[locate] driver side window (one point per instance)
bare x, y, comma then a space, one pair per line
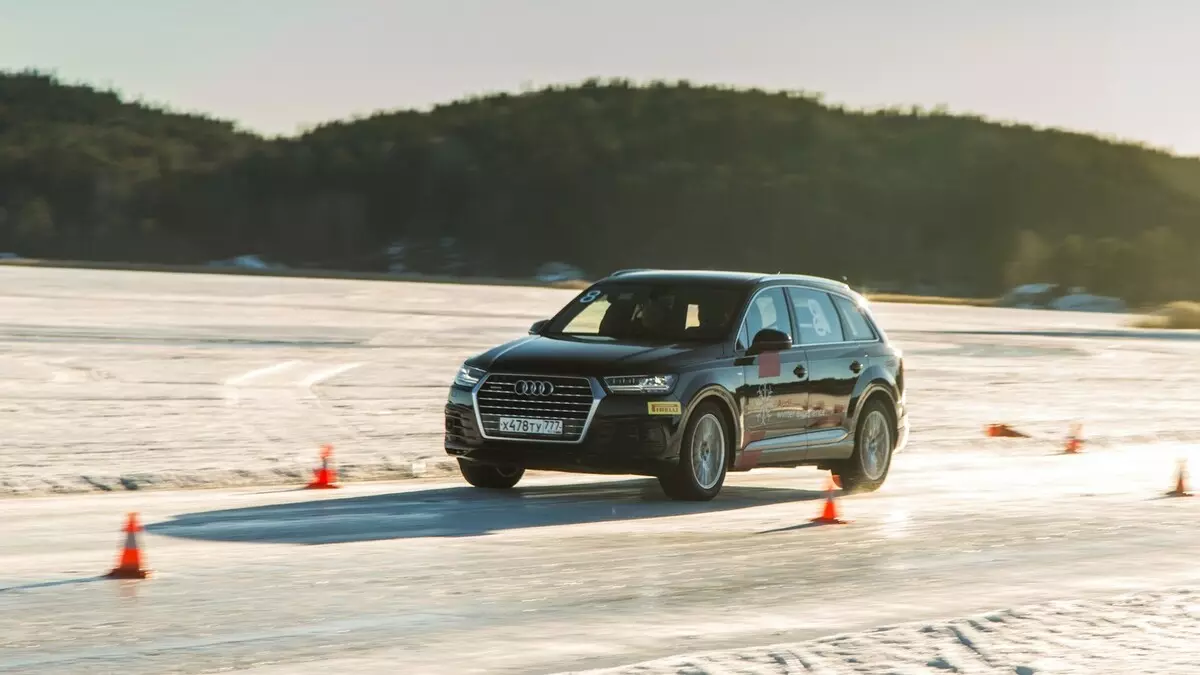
767, 310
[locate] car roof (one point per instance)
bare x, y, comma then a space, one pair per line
724, 277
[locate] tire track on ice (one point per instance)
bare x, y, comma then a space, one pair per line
260, 397
1156, 631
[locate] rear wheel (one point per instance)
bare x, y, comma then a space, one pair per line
703, 458
493, 477
874, 440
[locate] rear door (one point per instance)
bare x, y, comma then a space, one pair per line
775, 392
834, 365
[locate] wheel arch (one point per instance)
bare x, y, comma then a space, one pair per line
876, 391
726, 403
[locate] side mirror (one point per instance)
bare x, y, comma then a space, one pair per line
536, 328
769, 340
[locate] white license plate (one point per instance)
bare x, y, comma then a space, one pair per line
520, 425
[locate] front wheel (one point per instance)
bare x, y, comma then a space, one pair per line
874, 440
493, 477
703, 458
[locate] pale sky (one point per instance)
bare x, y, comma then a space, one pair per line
1126, 68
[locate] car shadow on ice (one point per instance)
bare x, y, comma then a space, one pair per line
457, 512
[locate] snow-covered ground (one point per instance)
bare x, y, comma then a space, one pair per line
111, 381
1152, 632
134, 380
118, 380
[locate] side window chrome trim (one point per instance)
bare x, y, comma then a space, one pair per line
876, 340
865, 316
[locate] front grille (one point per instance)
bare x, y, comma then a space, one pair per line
570, 401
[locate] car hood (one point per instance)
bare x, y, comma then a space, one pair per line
563, 355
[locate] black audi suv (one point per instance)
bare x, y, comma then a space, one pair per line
685, 376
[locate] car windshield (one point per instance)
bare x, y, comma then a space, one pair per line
650, 312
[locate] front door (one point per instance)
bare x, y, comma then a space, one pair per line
775, 392
834, 365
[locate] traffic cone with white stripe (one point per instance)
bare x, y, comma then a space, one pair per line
129, 565
829, 514
1074, 440
324, 477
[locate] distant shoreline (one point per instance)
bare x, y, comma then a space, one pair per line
410, 278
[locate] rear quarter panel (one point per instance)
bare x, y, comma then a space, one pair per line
882, 375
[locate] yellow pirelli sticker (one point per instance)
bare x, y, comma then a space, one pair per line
664, 408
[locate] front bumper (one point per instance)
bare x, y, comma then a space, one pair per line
622, 438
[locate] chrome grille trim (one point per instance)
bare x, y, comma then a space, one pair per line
577, 415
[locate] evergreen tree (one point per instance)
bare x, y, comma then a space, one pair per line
605, 175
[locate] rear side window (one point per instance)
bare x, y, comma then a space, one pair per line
858, 327
816, 319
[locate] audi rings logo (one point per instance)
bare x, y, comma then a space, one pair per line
533, 387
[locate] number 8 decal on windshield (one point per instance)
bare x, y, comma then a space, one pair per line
589, 296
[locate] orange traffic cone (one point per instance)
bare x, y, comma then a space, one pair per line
1181, 482
324, 477
129, 566
1003, 431
829, 515
1074, 440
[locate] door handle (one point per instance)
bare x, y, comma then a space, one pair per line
856, 367
800, 372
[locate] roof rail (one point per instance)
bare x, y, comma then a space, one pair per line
809, 277
632, 270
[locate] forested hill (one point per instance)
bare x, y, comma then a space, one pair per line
604, 175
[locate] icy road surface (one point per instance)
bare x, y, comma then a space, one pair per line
568, 573
111, 381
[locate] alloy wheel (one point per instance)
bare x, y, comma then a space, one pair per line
708, 451
876, 444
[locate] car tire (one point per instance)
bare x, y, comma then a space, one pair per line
491, 477
874, 442
703, 457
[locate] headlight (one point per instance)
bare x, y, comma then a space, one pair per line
641, 384
468, 376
